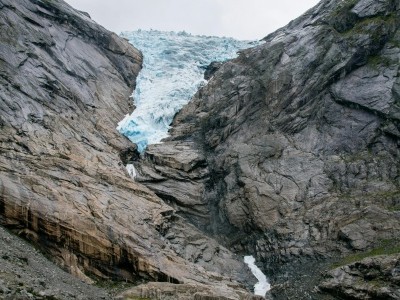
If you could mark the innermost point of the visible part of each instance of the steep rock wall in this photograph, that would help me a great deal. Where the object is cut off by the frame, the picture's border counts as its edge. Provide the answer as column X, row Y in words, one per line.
column 64, row 85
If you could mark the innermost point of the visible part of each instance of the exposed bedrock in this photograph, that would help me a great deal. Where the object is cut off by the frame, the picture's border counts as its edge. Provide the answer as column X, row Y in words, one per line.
column 371, row 278
column 64, row 85
column 291, row 151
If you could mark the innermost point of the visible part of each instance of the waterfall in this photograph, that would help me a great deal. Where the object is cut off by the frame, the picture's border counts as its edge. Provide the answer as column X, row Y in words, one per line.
column 262, row 286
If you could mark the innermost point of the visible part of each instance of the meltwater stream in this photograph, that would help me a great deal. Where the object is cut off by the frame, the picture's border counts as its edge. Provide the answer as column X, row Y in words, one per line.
column 262, row 286
column 173, row 68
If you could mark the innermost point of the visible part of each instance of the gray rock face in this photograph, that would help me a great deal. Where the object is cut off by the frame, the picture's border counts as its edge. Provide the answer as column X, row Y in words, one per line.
column 64, row 85
column 300, row 138
column 371, row 278
column 290, row 152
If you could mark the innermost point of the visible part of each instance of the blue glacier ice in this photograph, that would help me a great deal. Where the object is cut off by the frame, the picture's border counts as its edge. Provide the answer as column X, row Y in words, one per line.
column 173, row 68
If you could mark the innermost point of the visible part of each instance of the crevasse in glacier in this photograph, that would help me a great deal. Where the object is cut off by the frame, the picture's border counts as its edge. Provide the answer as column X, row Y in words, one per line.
column 173, row 68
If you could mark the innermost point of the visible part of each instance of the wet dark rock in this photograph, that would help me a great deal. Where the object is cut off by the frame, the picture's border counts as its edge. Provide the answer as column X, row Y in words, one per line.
column 129, row 154
column 211, row 69
column 40, row 278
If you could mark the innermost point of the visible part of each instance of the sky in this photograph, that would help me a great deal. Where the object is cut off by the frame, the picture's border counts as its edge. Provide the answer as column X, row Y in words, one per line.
column 241, row 19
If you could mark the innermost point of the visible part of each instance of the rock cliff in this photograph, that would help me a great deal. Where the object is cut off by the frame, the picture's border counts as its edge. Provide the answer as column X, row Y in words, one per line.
column 65, row 83
column 291, row 151
column 372, row 278
column 26, row 274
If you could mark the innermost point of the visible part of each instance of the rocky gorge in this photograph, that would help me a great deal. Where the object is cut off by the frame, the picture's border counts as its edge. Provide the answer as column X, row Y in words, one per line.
column 289, row 153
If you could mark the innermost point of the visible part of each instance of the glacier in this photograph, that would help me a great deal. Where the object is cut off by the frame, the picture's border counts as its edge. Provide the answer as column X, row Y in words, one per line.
column 262, row 286
column 173, row 70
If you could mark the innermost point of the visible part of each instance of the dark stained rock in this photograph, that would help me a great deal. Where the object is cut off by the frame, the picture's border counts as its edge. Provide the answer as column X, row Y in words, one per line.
column 211, row 69
column 26, row 274
column 129, row 155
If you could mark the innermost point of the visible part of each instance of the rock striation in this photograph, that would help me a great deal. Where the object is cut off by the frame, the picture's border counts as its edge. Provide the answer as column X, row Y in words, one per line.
column 26, row 274
column 291, row 151
column 65, row 83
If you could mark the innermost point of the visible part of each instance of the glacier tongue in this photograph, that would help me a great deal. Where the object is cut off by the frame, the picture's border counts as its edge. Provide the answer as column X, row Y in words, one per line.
column 173, row 68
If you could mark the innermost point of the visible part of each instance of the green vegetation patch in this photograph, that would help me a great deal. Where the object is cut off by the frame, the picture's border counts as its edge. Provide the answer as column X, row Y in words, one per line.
column 375, row 27
column 377, row 61
column 394, row 208
column 386, row 247
column 344, row 7
column 395, row 42
column 114, row 286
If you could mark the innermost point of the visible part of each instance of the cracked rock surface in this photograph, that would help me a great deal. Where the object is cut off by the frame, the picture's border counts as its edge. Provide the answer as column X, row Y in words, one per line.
column 371, row 278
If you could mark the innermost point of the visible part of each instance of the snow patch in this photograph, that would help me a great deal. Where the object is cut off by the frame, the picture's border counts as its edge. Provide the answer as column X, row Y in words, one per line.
column 262, row 286
column 173, row 70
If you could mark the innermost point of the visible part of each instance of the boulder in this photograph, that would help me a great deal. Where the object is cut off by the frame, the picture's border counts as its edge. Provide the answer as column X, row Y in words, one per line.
column 371, row 278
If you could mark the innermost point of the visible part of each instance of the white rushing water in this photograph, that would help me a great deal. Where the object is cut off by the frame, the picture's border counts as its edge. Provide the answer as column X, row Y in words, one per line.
column 262, row 286
column 173, row 69
column 131, row 170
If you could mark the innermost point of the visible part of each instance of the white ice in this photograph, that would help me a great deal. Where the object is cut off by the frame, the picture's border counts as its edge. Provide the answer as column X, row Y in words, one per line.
column 262, row 286
column 173, row 69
